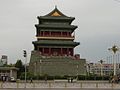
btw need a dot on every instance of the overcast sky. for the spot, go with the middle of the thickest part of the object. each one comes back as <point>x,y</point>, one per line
<point>98,24</point>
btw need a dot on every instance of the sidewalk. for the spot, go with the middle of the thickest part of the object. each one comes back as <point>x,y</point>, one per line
<point>61,84</point>
<point>89,81</point>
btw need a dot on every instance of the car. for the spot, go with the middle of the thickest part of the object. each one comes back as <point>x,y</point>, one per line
<point>12,79</point>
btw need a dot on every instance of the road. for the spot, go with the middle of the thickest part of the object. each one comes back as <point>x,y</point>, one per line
<point>59,89</point>
<point>59,85</point>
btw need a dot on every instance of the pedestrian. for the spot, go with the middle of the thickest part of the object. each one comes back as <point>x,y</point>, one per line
<point>68,79</point>
<point>46,78</point>
<point>31,81</point>
<point>71,79</point>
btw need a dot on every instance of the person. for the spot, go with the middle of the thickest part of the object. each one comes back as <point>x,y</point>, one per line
<point>118,79</point>
<point>68,79</point>
<point>3,79</point>
<point>110,79</point>
<point>31,81</point>
<point>71,79</point>
<point>45,78</point>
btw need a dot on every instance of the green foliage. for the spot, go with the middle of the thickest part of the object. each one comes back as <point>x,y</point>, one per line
<point>9,65</point>
<point>60,77</point>
<point>19,65</point>
<point>44,77</point>
<point>93,77</point>
<point>29,76</point>
<point>38,77</point>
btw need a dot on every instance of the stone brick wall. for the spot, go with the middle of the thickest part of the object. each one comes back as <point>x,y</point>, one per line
<point>54,66</point>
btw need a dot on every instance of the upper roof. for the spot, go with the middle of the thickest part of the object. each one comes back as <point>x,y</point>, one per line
<point>56,13</point>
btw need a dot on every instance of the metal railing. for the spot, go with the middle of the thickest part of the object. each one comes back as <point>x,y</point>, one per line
<point>59,85</point>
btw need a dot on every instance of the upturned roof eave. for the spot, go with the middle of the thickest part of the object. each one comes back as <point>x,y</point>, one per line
<point>67,30</point>
<point>50,16</point>
<point>55,18</point>
<point>56,44</point>
<point>56,26</point>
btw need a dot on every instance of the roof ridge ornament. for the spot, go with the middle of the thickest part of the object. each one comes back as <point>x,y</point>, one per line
<point>55,6</point>
<point>56,12</point>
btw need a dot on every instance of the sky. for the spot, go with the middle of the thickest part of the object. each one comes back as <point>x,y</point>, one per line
<point>98,24</point>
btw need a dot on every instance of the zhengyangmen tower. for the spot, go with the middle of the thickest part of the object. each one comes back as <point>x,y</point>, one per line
<point>53,52</point>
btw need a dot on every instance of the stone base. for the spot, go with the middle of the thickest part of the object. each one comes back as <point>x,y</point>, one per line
<point>56,65</point>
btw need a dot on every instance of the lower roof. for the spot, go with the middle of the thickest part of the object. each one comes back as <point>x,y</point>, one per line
<point>8,68</point>
<point>55,43</point>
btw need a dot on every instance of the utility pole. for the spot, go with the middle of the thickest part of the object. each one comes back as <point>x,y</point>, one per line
<point>40,66</point>
<point>25,55</point>
<point>77,71</point>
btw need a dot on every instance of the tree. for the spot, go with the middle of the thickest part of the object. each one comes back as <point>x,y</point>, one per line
<point>19,65</point>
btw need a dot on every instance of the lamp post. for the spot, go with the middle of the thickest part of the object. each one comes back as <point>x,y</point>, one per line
<point>77,70</point>
<point>40,67</point>
<point>114,49</point>
<point>25,55</point>
<point>101,70</point>
<point>88,69</point>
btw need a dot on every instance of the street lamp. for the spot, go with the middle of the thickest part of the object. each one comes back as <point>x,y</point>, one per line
<point>101,62</point>
<point>114,49</point>
<point>88,69</point>
<point>40,67</point>
<point>77,71</point>
<point>25,55</point>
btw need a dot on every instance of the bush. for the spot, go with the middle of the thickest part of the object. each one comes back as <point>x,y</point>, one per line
<point>47,77</point>
<point>92,77</point>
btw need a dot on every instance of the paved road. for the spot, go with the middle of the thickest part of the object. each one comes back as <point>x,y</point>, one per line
<point>59,85</point>
<point>59,89</point>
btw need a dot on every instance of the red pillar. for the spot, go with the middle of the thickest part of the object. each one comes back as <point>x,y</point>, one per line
<point>61,52</point>
<point>72,51</point>
<point>39,33</point>
<point>43,51</point>
<point>67,33</point>
<point>49,51</point>
<point>50,33</point>
<point>61,34</point>
<point>43,33</point>
<point>67,51</point>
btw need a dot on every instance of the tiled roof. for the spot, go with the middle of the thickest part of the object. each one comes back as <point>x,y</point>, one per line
<point>56,42</point>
